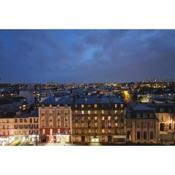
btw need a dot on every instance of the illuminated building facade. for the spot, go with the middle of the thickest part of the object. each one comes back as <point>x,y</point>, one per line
<point>141,124</point>
<point>98,120</point>
<point>165,114</point>
<point>55,124</point>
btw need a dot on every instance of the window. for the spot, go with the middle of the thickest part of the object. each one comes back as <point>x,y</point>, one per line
<point>89,112</point>
<point>169,126</point>
<point>95,112</point>
<point>82,112</point>
<point>95,106</point>
<point>116,124</point>
<point>82,106</point>
<point>121,105</point>
<point>30,120</point>
<point>109,117</point>
<point>116,117</point>
<point>109,125</point>
<point>138,135</point>
<point>103,118</point>
<point>115,111</point>
<point>96,124</point>
<point>115,105</point>
<point>103,131</point>
<point>21,120</point>
<point>162,126</point>
<point>95,117</point>
<point>151,135</point>
<point>102,111</point>
<point>145,135</point>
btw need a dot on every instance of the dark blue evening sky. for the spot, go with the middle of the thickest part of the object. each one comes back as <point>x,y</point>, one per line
<point>86,55</point>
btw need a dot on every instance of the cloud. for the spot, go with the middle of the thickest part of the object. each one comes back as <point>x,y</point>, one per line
<point>86,55</point>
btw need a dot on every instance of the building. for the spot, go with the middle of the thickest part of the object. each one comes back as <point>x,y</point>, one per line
<point>23,126</point>
<point>141,124</point>
<point>55,124</point>
<point>26,126</point>
<point>165,114</point>
<point>96,119</point>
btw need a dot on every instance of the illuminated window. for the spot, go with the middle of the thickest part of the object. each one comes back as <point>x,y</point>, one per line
<point>96,124</point>
<point>116,117</point>
<point>102,111</point>
<point>89,130</point>
<point>95,117</point>
<point>103,131</point>
<point>103,118</point>
<point>82,106</point>
<point>95,112</point>
<point>89,118</point>
<point>115,105</point>
<point>76,111</point>
<point>82,112</point>
<point>115,111</point>
<point>116,124</point>
<point>89,112</point>
<point>95,106</point>
<point>109,117</point>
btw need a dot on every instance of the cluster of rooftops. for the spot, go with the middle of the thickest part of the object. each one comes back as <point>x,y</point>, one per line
<point>13,109</point>
<point>71,100</point>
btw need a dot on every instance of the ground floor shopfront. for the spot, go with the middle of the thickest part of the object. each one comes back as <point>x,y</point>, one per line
<point>57,138</point>
<point>105,139</point>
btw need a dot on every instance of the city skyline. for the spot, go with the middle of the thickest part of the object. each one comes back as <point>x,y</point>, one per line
<point>86,55</point>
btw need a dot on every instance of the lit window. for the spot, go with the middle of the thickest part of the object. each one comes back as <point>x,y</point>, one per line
<point>103,131</point>
<point>82,112</point>
<point>89,112</point>
<point>82,106</point>
<point>115,111</point>
<point>121,105</point>
<point>115,105</point>
<point>96,118</point>
<point>89,130</point>
<point>96,124</point>
<point>102,111</point>
<point>109,117</point>
<point>89,118</point>
<point>76,111</point>
<point>95,106</point>
<point>116,117</point>
<point>116,124</point>
<point>103,118</point>
<point>95,112</point>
